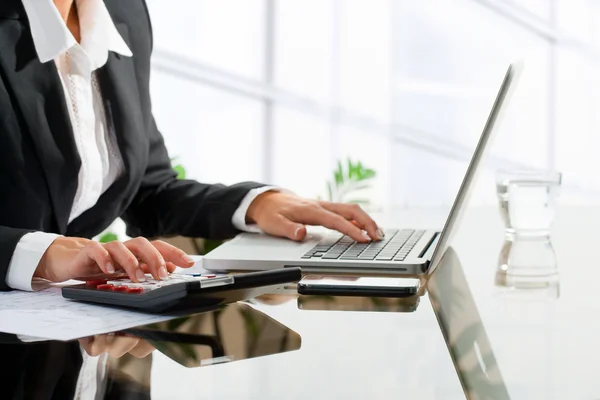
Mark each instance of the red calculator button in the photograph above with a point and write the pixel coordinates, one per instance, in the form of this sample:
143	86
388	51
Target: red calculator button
96	282
120	288
135	290
104	287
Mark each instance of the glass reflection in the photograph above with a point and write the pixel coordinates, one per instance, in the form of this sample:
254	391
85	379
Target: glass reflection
463	331
119	364
528	264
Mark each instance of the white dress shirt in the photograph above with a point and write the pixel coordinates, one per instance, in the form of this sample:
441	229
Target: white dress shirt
101	161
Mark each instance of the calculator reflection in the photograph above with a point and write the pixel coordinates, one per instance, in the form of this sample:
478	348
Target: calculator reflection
235	332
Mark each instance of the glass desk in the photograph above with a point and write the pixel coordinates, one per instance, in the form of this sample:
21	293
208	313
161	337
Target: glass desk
463	336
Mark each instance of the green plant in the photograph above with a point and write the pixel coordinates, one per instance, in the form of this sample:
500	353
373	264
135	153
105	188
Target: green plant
179	168
180	171
108	237
347	182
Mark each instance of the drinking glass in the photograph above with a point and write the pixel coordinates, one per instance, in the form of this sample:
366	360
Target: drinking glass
528	201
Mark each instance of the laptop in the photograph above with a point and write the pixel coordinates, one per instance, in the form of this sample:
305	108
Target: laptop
403	251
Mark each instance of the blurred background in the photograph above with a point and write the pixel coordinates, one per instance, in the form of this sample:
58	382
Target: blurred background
279	91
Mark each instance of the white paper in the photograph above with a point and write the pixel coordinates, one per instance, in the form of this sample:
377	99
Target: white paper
46	314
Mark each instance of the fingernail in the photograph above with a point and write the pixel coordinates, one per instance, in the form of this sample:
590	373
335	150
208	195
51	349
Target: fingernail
380	233
366	235
297	232
110	268
162	273
140	275
189	259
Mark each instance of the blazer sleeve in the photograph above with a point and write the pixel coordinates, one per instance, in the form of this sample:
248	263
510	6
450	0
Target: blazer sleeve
9	238
166	206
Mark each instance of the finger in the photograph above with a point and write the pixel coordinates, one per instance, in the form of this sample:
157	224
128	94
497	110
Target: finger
120	346
356	213
96	346
317	215
282	226
173	254
149	255
122	256
86	343
142	349
171	267
95	252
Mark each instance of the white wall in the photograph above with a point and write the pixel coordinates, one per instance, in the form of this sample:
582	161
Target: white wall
399	85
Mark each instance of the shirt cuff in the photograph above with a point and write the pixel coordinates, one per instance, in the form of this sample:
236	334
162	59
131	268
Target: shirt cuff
25	259
239	216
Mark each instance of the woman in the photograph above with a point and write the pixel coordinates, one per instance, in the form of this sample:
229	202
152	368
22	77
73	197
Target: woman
79	147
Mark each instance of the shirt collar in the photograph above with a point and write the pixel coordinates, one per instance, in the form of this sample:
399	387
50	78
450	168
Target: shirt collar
51	37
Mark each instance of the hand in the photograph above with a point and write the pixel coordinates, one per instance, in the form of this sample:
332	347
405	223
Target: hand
283	214
71	258
116	346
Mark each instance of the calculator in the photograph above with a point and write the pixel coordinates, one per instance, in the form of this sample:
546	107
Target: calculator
180	292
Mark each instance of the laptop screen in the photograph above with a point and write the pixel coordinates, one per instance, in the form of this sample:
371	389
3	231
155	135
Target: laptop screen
460	202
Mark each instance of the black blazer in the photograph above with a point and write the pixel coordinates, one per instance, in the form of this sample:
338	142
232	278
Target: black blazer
50	370
39	162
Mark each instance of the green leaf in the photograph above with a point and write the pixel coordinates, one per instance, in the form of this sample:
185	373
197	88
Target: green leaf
339	174
351	170
329	192
369	173
358	201
180	171
359	171
108	237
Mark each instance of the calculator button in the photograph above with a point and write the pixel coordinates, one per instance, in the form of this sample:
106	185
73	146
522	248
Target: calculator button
106	286
121	288
135	290
119	282
96	282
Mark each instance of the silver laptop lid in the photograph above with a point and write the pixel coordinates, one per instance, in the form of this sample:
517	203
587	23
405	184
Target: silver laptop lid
460	202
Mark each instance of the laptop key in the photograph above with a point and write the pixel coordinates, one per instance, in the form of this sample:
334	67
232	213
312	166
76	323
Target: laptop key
330	257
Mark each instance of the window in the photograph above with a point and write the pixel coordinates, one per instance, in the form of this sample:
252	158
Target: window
286	88
216	135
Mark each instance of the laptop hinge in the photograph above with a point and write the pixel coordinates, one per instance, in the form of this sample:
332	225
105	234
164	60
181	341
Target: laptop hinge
428	246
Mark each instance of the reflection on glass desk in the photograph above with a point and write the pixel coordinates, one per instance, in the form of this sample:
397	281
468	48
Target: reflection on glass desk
519	346
463	330
235	332
352	303
119	365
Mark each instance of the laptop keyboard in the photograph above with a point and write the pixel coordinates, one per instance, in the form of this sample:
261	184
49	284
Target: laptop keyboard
396	245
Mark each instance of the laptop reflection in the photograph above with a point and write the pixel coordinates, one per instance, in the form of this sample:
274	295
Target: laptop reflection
463	331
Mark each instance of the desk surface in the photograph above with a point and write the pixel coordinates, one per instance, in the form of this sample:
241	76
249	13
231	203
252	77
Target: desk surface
541	347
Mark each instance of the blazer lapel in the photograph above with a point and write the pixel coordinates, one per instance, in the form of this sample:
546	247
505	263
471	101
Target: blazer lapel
118	83
39	96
